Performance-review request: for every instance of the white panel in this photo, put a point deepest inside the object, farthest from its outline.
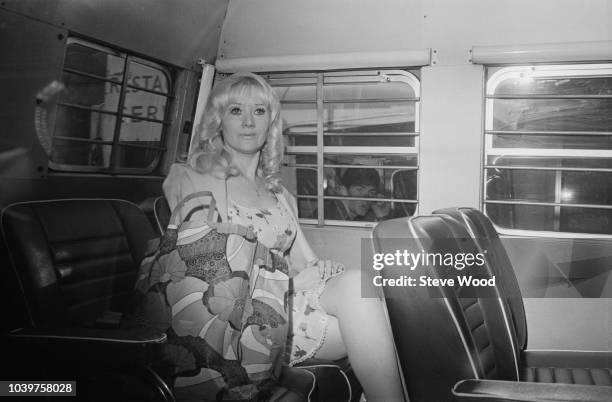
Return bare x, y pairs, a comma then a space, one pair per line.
298, 27
451, 137
326, 61
547, 52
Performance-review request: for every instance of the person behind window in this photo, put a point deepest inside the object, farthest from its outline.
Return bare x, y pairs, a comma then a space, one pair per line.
239, 160
357, 182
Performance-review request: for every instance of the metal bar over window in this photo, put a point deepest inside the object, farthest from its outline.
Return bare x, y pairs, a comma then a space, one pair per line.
143, 146
136, 117
522, 132
549, 204
320, 161
386, 167
554, 169
117, 131
94, 76
79, 139
407, 201
371, 117
88, 108
549, 97
371, 100
152, 91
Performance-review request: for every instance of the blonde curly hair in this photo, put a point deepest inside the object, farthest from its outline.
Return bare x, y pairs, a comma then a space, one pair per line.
211, 156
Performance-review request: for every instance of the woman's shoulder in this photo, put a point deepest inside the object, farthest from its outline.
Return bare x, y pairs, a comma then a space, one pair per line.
183, 180
181, 172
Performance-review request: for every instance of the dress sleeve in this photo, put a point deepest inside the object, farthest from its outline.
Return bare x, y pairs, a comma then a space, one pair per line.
300, 254
181, 182
177, 185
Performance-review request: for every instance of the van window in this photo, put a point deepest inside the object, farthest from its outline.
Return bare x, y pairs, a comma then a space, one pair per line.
548, 148
352, 143
112, 115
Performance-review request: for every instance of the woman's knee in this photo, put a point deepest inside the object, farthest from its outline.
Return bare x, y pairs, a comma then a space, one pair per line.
344, 289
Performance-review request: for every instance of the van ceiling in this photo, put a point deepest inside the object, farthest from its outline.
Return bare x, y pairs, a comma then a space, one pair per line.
178, 33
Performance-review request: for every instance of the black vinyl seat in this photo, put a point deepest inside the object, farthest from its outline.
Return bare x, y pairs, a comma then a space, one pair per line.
568, 367
456, 343
69, 270
72, 265
482, 231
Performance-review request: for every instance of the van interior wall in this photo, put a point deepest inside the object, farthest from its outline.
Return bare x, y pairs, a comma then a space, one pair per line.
33, 40
452, 100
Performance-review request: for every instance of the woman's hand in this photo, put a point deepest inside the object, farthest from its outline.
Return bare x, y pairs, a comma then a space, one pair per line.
311, 277
329, 269
308, 278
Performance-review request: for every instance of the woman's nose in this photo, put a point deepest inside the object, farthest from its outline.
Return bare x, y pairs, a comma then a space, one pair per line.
247, 120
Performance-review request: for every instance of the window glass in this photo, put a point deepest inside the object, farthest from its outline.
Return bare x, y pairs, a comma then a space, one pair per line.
525, 83
552, 141
337, 90
109, 118
548, 136
379, 124
147, 77
85, 91
88, 58
140, 132
368, 124
79, 124
553, 114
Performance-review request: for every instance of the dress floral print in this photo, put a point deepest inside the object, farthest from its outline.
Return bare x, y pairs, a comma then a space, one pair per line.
220, 295
220, 290
276, 228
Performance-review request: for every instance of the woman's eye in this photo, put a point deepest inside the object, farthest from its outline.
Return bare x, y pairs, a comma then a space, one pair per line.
260, 111
235, 110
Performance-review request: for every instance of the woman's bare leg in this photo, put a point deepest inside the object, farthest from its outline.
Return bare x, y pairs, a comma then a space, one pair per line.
362, 328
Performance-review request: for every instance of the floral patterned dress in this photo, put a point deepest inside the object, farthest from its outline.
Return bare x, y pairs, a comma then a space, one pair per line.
220, 289
276, 228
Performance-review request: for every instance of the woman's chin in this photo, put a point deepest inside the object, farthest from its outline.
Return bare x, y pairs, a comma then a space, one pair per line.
247, 149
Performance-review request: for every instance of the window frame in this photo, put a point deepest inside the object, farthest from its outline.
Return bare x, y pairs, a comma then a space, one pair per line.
166, 122
494, 76
407, 76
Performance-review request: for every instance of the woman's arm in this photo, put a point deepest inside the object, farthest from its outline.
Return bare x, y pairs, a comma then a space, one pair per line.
307, 270
177, 185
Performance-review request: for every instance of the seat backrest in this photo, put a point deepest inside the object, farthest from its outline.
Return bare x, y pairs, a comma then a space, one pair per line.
74, 260
487, 239
443, 334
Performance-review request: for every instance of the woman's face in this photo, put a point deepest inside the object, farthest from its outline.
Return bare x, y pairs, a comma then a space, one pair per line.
245, 125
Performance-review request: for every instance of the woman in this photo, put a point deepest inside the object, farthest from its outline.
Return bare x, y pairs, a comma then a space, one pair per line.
239, 159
